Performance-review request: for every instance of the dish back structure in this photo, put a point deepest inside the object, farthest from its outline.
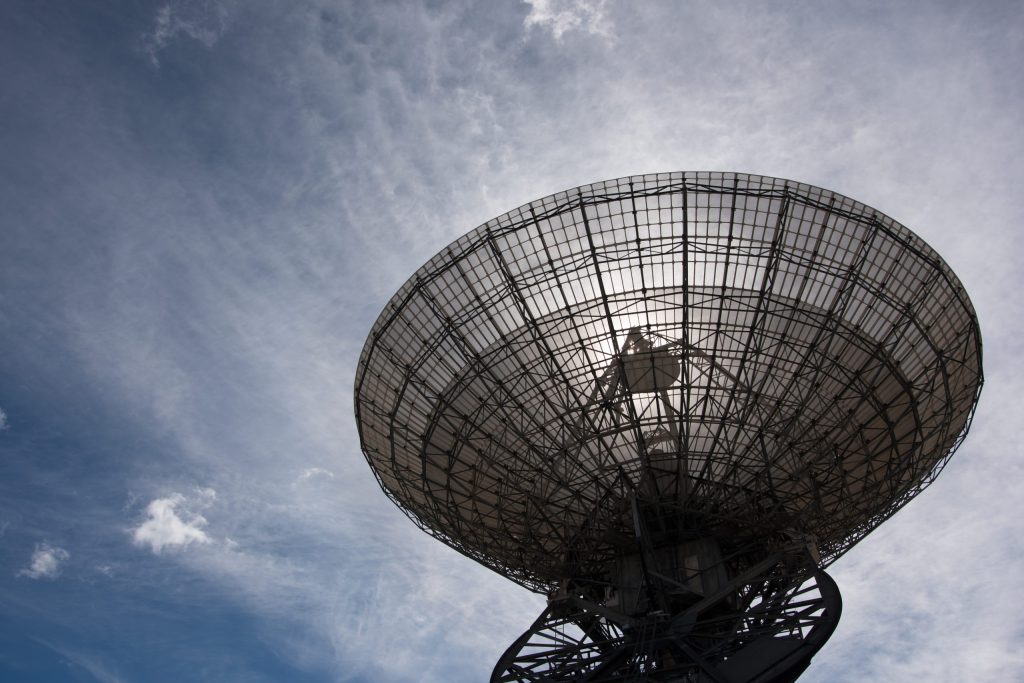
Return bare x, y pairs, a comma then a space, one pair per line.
680, 375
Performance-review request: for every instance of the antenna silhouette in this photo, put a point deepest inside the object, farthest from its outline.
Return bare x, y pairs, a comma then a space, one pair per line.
669, 402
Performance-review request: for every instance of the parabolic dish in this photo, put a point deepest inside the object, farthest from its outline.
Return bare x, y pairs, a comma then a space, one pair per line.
768, 352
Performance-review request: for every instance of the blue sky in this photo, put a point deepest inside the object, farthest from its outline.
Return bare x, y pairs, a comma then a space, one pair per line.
206, 204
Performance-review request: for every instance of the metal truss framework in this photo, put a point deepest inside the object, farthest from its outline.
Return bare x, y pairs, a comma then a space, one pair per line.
763, 626
754, 361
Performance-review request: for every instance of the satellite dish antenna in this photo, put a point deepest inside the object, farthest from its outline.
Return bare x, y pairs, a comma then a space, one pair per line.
669, 402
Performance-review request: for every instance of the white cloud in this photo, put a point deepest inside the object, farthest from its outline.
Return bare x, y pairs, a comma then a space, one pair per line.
46, 561
3, 419
170, 524
206, 495
311, 472
561, 16
200, 20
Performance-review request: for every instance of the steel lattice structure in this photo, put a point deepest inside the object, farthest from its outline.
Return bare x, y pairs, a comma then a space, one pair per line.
636, 391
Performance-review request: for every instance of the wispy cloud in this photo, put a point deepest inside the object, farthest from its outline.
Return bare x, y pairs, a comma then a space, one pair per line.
562, 16
90, 662
170, 523
239, 233
201, 20
3, 420
45, 563
402, 143
311, 472
336, 610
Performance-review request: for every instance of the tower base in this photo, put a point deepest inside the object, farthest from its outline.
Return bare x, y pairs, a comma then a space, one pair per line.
761, 626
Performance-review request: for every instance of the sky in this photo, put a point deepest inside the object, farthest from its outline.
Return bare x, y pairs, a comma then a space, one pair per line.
207, 203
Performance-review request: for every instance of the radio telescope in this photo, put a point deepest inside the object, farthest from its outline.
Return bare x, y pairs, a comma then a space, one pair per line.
669, 402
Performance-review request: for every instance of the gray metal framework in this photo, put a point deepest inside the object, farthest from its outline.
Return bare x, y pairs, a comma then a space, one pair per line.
725, 359
782, 614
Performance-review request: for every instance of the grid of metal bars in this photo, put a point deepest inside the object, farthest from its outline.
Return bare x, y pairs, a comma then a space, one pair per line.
759, 349
785, 617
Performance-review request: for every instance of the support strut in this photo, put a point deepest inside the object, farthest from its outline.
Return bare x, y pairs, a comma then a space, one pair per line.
763, 626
